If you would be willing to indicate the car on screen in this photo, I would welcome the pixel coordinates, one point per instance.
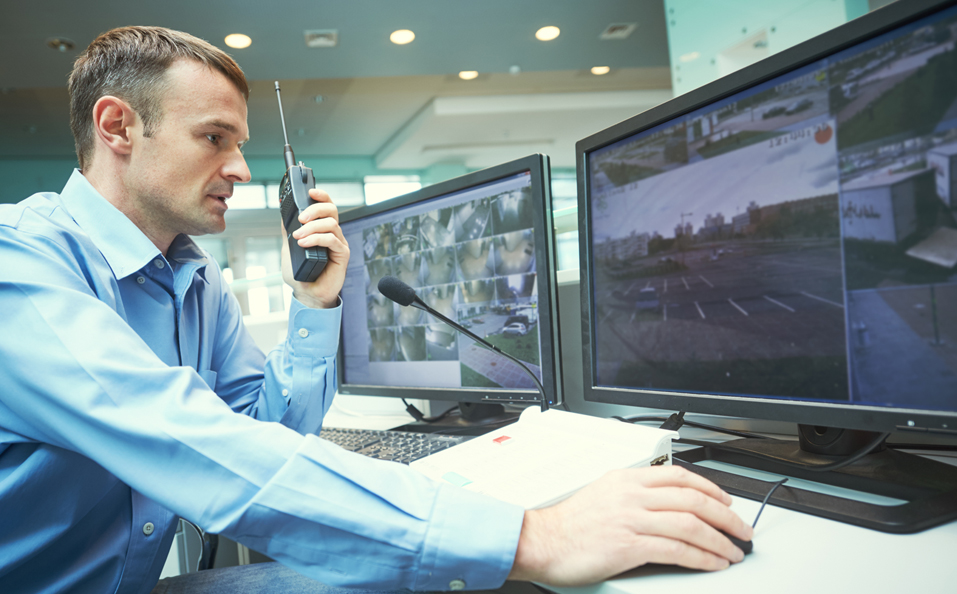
(774, 112)
(515, 329)
(799, 106)
(647, 299)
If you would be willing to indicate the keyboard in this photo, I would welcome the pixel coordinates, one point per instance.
(398, 446)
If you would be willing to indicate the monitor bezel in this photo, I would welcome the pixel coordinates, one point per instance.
(538, 167)
(851, 416)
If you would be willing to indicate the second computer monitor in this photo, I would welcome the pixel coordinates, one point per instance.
(478, 249)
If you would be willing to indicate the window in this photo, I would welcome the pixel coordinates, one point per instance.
(263, 264)
(565, 208)
(247, 196)
(382, 187)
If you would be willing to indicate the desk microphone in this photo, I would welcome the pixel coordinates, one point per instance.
(404, 295)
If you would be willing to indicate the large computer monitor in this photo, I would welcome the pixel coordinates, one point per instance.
(478, 249)
(781, 244)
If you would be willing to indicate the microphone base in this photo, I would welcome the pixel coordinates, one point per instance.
(473, 419)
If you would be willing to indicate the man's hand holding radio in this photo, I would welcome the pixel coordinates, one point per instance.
(320, 228)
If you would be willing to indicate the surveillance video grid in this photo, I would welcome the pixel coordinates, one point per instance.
(795, 241)
(474, 262)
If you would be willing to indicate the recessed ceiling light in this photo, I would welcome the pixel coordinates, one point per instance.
(468, 74)
(617, 31)
(547, 33)
(402, 37)
(690, 57)
(238, 40)
(61, 44)
(321, 38)
(599, 70)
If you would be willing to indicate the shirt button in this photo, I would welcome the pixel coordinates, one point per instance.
(148, 528)
(303, 332)
(285, 392)
(457, 585)
(140, 280)
(159, 263)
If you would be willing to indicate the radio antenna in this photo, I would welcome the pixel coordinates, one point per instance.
(287, 153)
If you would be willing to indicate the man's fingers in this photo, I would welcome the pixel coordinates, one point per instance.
(323, 225)
(319, 195)
(703, 506)
(326, 240)
(676, 476)
(311, 232)
(674, 552)
(322, 207)
(690, 529)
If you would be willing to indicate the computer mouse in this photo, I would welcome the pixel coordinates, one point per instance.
(745, 545)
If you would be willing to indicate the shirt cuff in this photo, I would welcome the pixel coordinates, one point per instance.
(314, 332)
(473, 527)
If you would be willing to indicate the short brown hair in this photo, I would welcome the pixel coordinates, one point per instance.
(131, 63)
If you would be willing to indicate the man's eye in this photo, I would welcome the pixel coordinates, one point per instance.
(213, 138)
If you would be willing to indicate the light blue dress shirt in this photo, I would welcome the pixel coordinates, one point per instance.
(131, 394)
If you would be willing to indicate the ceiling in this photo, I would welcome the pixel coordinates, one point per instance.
(404, 106)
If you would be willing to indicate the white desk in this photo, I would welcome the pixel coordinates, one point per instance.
(803, 554)
(793, 553)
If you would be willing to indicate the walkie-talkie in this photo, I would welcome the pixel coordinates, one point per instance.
(307, 263)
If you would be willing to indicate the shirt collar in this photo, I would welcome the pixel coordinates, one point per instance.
(185, 251)
(125, 248)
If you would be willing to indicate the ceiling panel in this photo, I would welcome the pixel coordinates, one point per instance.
(370, 89)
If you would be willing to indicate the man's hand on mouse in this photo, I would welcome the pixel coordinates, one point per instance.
(662, 514)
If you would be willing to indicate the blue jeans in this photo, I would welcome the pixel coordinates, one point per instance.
(273, 578)
(258, 578)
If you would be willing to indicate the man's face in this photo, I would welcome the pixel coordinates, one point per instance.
(180, 177)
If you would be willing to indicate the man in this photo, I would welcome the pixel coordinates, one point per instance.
(132, 395)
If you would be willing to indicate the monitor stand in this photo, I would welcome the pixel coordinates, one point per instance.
(928, 487)
(474, 418)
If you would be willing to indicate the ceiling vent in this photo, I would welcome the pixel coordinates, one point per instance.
(321, 37)
(618, 31)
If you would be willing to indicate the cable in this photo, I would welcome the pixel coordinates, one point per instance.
(894, 446)
(674, 422)
(811, 467)
(696, 424)
(938, 447)
(418, 416)
(766, 498)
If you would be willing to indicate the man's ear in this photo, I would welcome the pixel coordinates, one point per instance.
(113, 122)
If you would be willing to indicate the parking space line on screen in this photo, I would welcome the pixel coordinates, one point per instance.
(806, 294)
(776, 302)
(706, 281)
(738, 307)
(686, 283)
(699, 309)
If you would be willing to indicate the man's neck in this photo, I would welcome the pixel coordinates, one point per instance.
(111, 187)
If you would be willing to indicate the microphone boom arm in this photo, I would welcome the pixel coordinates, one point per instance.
(419, 304)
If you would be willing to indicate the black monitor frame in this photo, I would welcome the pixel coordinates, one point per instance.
(929, 488)
(856, 416)
(538, 167)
